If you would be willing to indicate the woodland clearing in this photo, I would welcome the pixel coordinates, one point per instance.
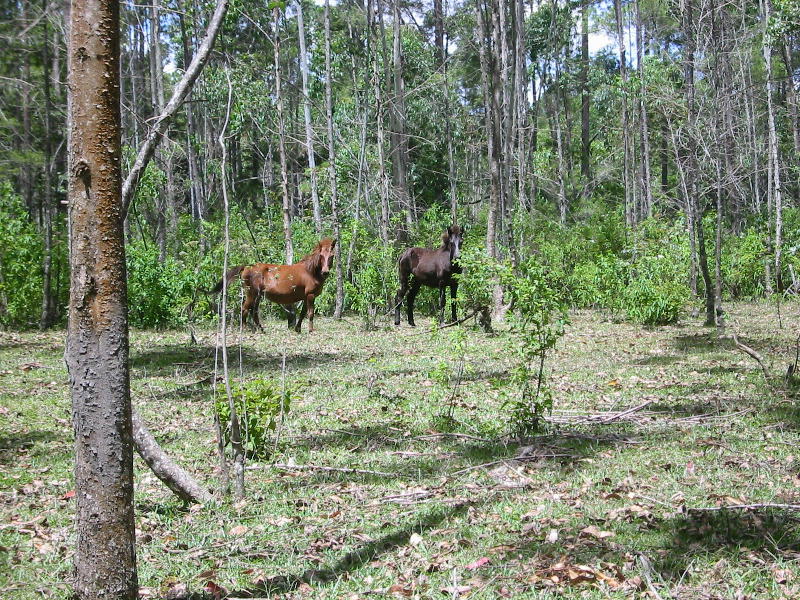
(372, 493)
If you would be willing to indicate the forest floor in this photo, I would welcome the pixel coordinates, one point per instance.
(602, 505)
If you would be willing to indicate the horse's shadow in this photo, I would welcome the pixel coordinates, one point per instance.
(164, 360)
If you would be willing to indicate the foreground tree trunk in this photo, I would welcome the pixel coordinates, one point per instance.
(97, 336)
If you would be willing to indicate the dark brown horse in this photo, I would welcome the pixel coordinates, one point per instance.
(432, 268)
(285, 284)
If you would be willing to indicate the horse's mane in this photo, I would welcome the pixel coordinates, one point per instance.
(312, 259)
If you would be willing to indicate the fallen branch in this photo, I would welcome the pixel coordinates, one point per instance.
(446, 325)
(169, 472)
(755, 356)
(745, 507)
(627, 412)
(333, 469)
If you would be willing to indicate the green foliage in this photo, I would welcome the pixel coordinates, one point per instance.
(447, 373)
(20, 262)
(475, 284)
(539, 318)
(259, 406)
(157, 291)
(598, 283)
(373, 281)
(657, 290)
(743, 264)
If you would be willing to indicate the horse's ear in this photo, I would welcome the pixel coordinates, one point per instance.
(450, 230)
(446, 237)
(333, 243)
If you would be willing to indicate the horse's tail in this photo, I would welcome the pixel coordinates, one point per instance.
(404, 265)
(229, 276)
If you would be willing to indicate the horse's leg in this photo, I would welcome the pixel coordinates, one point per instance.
(246, 303)
(256, 317)
(403, 272)
(441, 304)
(310, 310)
(412, 294)
(291, 314)
(303, 313)
(398, 300)
(453, 290)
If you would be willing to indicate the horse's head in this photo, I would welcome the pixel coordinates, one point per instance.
(321, 259)
(452, 240)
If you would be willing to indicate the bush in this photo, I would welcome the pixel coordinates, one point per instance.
(259, 405)
(20, 262)
(157, 291)
(658, 286)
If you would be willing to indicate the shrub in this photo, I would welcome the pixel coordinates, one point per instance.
(259, 405)
(20, 262)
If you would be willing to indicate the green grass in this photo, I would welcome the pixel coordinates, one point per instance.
(450, 494)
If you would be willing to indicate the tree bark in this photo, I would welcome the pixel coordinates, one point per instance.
(774, 162)
(287, 206)
(400, 146)
(339, 306)
(97, 335)
(586, 139)
(312, 166)
(49, 302)
(630, 210)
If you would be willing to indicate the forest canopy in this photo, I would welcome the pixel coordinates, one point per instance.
(641, 174)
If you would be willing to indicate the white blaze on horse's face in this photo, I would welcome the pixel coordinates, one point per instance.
(455, 245)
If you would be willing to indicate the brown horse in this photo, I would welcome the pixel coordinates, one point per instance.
(285, 284)
(432, 268)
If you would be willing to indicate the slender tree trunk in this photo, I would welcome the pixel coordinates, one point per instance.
(332, 168)
(491, 155)
(287, 206)
(644, 132)
(49, 302)
(233, 423)
(584, 84)
(97, 336)
(179, 95)
(630, 210)
(400, 150)
(381, 139)
(312, 166)
(441, 58)
(774, 162)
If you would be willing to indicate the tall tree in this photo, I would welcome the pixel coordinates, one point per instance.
(312, 166)
(332, 166)
(97, 336)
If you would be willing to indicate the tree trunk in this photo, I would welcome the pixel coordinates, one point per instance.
(332, 168)
(287, 206)
(400, 146)
(381, 139)
(97, 336)
(312, 166)
(584, 84)
(644, 133)
(773, 163)
(179, 95)
(630, 210)
(49, 301)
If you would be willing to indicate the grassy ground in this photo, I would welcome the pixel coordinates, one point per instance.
(597, 507)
